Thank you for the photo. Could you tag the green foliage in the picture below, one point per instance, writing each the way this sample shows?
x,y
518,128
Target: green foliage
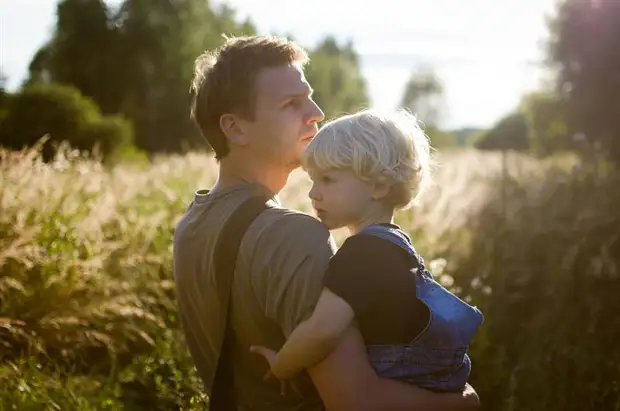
x,y
335,74
465,137
543,265
545,116
112,134
584,48
3,97
440,139
423,96
510,133
86,52
64,114
41,109
136,60
157,381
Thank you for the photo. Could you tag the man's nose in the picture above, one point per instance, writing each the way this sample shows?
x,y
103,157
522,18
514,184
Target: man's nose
x,y
315,114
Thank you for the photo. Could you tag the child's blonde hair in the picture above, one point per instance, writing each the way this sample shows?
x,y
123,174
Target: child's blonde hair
x,y
375,145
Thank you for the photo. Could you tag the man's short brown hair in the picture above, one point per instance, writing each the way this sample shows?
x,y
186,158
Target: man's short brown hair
x,y
224,81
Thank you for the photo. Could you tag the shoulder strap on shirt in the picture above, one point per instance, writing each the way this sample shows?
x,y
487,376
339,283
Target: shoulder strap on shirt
x,y
226,250
397,237
390,234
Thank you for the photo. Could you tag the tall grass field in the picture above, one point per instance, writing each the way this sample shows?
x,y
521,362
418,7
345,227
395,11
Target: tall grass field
x,y
88,316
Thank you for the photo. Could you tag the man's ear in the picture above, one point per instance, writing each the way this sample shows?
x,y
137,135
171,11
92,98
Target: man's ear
x,y
381,188
233,128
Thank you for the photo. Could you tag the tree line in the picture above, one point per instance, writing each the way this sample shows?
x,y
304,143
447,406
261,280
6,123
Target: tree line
x,y
118,77
578,110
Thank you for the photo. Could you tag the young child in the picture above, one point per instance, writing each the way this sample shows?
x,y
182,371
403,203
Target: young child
x,y
364,167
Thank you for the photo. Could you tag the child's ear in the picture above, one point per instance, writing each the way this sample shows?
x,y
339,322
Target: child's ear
x,y
381,188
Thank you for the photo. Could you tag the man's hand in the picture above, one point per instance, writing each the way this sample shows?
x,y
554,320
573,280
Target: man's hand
x,y
270,356
471,398
346,381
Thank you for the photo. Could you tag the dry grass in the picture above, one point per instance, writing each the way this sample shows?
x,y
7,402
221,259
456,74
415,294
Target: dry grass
x,y
85,251
85,260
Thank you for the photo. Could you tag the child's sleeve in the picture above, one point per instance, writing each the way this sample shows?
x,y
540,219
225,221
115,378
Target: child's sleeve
x,y
314,338
354,272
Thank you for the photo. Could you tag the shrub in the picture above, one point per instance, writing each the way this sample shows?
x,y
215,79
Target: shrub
x,y
510,133
108,134
544,266
64,114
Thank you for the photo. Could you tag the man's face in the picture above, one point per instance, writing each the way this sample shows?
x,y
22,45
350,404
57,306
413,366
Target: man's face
x,y
286,117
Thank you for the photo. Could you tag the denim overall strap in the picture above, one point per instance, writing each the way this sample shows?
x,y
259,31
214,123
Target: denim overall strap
x,y
399,238
391,234
437,358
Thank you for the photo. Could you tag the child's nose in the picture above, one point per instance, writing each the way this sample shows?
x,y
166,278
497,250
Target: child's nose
x,y
314,194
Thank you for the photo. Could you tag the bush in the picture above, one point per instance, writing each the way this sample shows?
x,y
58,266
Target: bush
x,y
544,266
64,114
108,134
510,133
440,139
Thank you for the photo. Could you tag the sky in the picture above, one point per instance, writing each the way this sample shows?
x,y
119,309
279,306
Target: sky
x,y
486,52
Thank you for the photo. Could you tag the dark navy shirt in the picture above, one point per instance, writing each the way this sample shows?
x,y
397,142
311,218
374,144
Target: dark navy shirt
x,y
374,277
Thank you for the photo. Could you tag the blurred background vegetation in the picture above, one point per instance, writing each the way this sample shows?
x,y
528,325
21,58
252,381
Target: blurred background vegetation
x,y
98,160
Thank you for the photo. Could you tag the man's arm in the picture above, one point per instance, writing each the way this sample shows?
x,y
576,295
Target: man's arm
x,y
346,381
315,338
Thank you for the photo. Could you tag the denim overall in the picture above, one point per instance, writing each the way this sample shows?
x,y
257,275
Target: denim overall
x,y
437,358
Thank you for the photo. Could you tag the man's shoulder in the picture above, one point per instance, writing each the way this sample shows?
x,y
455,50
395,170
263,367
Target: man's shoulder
x,y
183,224
283,238
285,230
280,221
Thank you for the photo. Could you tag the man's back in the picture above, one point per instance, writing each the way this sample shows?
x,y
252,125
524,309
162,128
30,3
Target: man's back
x,y
277,281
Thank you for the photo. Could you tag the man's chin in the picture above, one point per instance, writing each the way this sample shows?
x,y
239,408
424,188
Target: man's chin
x,y
294,165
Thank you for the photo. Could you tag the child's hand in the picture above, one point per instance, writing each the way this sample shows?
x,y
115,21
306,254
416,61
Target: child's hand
x,y
270,356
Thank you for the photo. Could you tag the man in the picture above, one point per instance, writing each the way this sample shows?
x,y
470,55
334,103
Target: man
x,y
255,108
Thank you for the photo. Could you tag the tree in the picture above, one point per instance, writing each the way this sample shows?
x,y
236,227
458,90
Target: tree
x,y
439,138
584,48
3,95
136,60
334,73
2,81
544,113
423,96
509,133
165,37
84,52
64,114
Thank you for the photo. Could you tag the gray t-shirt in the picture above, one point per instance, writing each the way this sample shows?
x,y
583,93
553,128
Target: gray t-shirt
x,y
278,280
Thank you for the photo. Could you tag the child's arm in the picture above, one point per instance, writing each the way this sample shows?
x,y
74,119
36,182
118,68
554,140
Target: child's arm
x,y
314,338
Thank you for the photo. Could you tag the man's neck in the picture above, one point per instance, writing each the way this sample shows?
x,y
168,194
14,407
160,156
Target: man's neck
x,y
234,170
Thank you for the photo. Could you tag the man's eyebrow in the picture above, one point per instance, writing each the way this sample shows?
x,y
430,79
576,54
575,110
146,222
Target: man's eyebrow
x,y
308,92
